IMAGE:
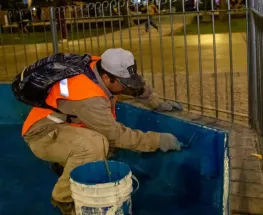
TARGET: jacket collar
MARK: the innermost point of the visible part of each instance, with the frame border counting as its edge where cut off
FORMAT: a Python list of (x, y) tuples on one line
[(101, 84)]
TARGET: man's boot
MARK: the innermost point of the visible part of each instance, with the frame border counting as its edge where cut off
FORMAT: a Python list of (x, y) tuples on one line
[(65, 208)]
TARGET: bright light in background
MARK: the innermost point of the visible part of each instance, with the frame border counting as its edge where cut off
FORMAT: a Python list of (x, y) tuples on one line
[(34, 8)]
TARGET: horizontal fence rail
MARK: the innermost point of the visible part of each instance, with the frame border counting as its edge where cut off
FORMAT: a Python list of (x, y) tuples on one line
[(193, 52)]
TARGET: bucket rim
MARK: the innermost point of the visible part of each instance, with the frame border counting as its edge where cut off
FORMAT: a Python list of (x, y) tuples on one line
[(101, 185), (100, 161)]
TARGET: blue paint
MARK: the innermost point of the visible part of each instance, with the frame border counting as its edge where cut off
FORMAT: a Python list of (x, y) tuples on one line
[(184, 183), (96, 173), (11, 110), (26, 182), (188, 182)]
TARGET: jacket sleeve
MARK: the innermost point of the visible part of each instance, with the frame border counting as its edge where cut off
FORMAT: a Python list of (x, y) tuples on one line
[(96, 114), (149, 98)]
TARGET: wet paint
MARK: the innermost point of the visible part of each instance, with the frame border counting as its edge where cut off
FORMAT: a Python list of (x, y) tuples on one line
[(195, 181), (11, 111)]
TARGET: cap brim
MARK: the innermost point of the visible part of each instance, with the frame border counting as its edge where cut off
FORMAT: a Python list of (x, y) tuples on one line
[(136, 82)]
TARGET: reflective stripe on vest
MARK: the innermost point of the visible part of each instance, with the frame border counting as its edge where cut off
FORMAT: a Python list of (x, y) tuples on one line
[(78, 87), (63, 86)]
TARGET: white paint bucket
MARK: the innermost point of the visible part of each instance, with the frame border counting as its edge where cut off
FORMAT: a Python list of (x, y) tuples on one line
[(94, 194)]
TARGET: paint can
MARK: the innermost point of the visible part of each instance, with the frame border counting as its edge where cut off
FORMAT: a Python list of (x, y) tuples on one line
[(94, 192)]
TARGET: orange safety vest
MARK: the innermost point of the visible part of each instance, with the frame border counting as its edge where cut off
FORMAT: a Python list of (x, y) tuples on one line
[(78, 87)]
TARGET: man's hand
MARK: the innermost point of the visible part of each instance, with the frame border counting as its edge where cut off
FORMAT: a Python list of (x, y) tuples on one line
[(169, 142), (150, 99)]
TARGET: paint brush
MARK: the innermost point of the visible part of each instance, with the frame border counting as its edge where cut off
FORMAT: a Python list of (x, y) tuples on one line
[(108, 169)]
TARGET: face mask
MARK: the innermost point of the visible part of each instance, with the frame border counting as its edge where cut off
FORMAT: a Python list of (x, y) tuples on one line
[(116, 93)]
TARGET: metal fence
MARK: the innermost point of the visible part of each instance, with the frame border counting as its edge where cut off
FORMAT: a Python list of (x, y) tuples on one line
[(255, 38), (193, 57)]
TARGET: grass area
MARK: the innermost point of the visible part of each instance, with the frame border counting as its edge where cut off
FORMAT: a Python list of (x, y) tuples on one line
[(237, 25), (46, 37)]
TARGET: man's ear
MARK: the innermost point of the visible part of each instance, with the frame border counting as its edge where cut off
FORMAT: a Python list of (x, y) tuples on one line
[(106, 79)]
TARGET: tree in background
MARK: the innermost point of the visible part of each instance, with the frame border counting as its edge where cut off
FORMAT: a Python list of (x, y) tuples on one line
[(62, 19), (127, 20), (222, 10)]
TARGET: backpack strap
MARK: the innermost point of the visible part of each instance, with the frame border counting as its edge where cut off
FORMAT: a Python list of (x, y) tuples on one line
[(59, 58), (32, 76)]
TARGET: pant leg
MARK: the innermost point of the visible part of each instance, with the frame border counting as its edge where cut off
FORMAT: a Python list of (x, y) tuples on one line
[(152, 23), (147, 25), (63, 25), (64, 29), (71, 147)]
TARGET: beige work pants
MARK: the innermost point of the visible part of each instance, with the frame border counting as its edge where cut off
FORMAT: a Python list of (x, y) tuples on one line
[(70, 146)]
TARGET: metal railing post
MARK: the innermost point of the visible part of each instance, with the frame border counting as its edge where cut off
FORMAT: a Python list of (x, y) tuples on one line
[(52, 16), (252, 72), (254, 67)]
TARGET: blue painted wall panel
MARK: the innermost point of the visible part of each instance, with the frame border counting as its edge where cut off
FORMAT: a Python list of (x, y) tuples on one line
[(180, 174)]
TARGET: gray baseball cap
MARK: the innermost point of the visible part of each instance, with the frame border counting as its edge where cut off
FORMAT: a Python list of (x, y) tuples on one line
[(121, 64)]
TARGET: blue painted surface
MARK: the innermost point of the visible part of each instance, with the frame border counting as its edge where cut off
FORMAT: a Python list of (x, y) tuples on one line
[(176, 181), (25, 181), (185, 183), (11, 111)]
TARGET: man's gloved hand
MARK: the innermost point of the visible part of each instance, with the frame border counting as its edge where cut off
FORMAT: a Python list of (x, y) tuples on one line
[(151, 99), (169, 142), (169, 106)]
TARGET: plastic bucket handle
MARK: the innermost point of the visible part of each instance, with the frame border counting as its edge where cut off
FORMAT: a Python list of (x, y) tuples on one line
[(137, 182)]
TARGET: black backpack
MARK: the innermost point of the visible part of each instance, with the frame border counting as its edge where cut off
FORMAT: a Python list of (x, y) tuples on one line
[(33, 84)]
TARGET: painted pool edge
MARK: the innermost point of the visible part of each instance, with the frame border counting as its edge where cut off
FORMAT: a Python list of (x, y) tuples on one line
[(226, 179), (226, 207)]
